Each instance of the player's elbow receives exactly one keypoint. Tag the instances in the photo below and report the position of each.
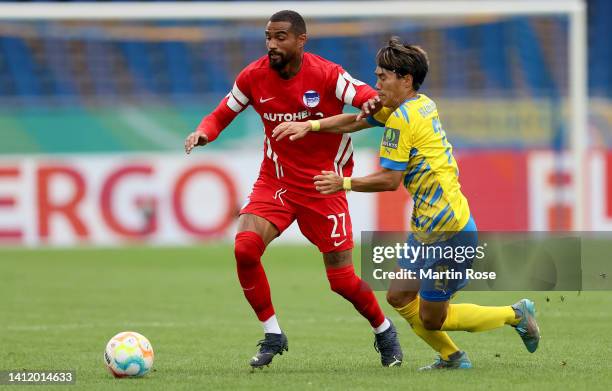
(391, 179)
(395, 185)
(392, 183)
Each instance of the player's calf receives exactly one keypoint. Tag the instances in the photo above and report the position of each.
(248, 248)
(347, 284)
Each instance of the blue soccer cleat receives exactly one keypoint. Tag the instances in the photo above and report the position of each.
(387, 344)
(271, 345)
(527, 328)
(458, 360)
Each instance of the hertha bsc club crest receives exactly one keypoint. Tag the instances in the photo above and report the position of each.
(311, 98)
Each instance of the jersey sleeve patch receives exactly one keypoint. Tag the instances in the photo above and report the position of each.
(391, 138)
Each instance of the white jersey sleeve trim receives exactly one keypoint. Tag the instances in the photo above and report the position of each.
(352, 80)
(345, 140)
(239, 95)
(233, 104)
(345, 88)
(340, 87)
(347, 155)
(349, 95)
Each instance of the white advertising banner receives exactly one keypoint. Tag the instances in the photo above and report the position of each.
(173, 199)
(156, 199)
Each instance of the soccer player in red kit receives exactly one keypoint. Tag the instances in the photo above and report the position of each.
(292, 85)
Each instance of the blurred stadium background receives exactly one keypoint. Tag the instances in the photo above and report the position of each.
(93, 115)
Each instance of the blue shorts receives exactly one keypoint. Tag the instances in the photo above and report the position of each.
(449, 257)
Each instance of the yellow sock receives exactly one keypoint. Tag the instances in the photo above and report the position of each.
(438, 340)
(472, 317)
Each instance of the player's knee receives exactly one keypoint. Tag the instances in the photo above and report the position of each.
(342, 287)
(344, 281)
(248, 248)
(338, 259)
(244, 256)
(399, 299)
(431, 322)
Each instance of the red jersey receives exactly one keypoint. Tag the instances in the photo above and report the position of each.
(320, 89)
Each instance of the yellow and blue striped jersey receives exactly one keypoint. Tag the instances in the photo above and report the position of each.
(415, 143)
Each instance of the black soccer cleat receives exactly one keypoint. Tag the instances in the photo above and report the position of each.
(387, 344)
(270, 346)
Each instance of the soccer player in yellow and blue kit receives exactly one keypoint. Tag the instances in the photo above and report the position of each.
(415, 152)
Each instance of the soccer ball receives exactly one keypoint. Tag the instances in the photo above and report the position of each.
(128, 354)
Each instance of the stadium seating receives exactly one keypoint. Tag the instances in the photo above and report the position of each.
(54, 64)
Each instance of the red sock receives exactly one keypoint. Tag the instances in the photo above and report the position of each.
(346, 283)
(248, 248)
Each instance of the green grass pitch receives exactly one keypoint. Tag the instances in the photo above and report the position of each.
(59, 308)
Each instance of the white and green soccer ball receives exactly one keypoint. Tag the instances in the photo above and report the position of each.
(128, 354)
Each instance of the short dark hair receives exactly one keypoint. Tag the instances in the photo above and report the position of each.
(404, 60)
(298, 26)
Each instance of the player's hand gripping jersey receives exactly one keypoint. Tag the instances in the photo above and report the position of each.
(414, 142)
(320, 89)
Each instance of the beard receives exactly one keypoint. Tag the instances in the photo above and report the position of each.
(278, 61)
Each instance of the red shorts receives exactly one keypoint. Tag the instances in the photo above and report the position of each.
(326, 222)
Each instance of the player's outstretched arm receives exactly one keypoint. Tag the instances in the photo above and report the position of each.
(194, 139)
(341, 123)
(211, 125)
(385, 180)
